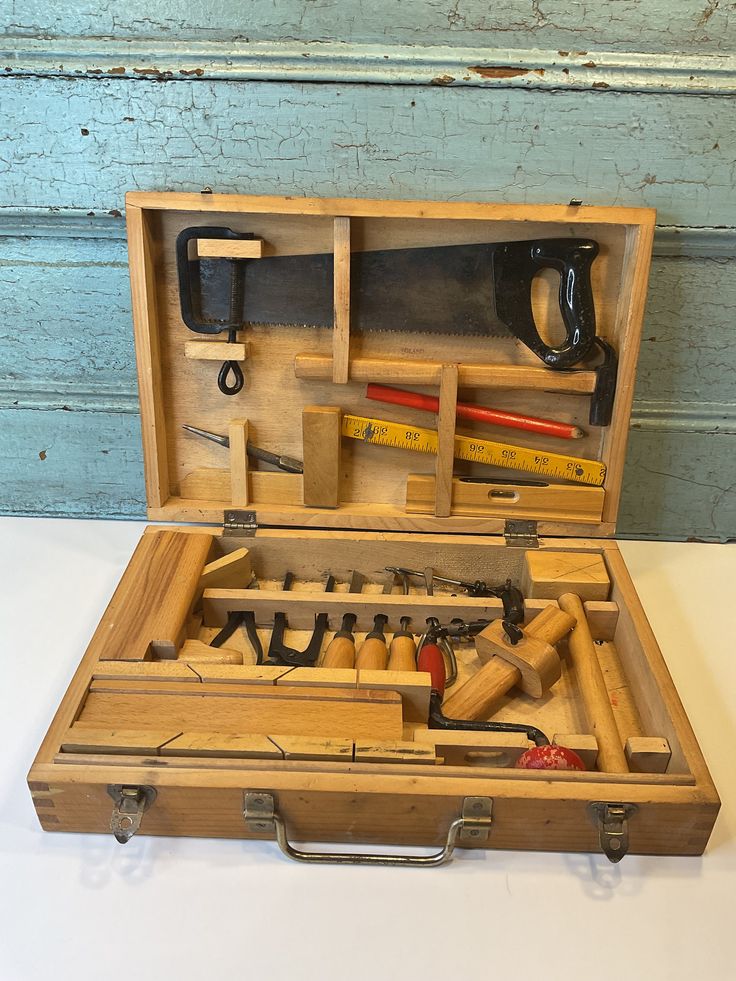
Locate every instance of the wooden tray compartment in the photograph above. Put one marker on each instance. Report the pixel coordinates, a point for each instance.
(328, 790)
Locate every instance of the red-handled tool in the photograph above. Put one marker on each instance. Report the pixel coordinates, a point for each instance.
(430, 659)
(479, 413)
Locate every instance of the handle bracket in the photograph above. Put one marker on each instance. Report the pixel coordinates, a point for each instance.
(474, 825)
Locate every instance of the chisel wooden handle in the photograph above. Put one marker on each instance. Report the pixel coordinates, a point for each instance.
(373, 653)
(584, 660)
(403, 651)
(340, 651)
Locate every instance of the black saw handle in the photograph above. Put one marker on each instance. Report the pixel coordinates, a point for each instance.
(515, 264)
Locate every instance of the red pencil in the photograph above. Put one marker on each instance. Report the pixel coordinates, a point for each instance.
(480, 413)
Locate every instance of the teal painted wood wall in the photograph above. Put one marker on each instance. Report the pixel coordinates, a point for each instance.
(627, 103)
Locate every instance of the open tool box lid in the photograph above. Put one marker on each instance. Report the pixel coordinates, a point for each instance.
(289, 367)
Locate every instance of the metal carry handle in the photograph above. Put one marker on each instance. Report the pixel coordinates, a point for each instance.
(474, 825)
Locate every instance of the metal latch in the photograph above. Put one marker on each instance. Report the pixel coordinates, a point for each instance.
(127, 814)
(521, 534)
(241, 523)
(613, 828)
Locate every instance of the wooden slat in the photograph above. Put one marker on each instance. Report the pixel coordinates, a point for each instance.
(222, 248)
(298, 712)
(239, 466)
(199, 653)
(445, 459)
(341, 277)
(399, 751)
(301, 748)
(84, 739)
(273, 488)
(145, 670)
(459, 748)
(227, 745)
(554, 502)
(148, 357)
(215, 350)
(318, 367)
(156, 604)
(415, 687)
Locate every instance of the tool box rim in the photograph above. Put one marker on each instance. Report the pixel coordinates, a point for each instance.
(164, 506)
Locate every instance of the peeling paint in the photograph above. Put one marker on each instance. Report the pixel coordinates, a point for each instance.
(443, 80)
(498, 71)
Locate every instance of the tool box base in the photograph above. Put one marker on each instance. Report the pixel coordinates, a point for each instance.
(407, 787)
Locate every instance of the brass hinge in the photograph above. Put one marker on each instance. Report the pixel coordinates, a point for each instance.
(240, 523)
(612, 821)
(521, 534)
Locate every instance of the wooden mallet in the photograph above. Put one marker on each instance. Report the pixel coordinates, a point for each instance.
(532, 664)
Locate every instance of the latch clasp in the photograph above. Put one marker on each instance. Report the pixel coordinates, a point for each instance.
(127, 814)
(613, 828)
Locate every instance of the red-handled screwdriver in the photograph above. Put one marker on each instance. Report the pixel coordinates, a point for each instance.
(479, 413)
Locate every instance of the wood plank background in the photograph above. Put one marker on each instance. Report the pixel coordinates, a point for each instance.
(626, 104)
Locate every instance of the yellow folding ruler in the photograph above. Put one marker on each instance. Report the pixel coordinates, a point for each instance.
(385, 433)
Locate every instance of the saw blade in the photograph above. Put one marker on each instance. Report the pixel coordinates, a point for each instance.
(434, 290)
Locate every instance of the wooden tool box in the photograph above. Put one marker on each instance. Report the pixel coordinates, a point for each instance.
(163, 732)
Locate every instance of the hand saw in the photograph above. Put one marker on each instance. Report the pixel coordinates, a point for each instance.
(478, 289)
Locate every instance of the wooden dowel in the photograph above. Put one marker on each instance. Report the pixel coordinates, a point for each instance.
(598, 711)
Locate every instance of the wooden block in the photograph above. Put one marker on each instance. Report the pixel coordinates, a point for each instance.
(536, 660)
(585, 745)
(223, 248)
(228, 572)
(547, 575)
(445, 460)
(300, 748)
(648, 754)
(393, 752)
(415, 687)
(165, 670)
(197, 652)
(242, 674)
(86, 739)
(556, 502)
(322, 677)
(222, 744)
(153, 611)
(215, 350)
(239, 491)
(459, 748)
(260, 709)
(321, 451)
(341, 279)
(194, 625)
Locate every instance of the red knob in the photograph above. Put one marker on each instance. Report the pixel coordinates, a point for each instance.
(550, 758)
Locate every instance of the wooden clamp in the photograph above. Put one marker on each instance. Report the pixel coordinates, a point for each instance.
(532, 665)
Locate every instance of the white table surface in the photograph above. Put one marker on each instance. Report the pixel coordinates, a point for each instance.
(83, 907)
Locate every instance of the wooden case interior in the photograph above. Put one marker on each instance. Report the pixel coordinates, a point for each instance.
(135, 693)
(288, 368)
